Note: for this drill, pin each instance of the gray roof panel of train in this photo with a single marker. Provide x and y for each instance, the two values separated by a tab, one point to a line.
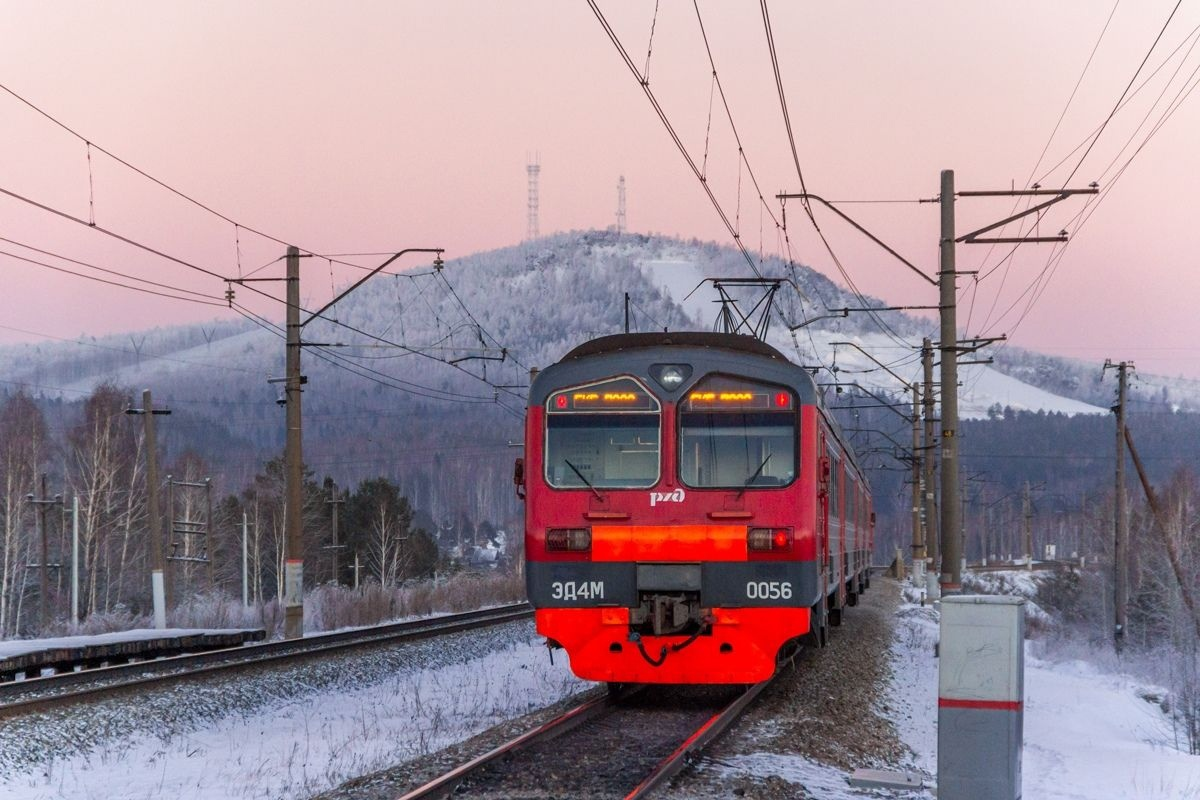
635	353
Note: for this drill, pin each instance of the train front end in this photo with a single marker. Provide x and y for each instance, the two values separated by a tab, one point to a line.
671	508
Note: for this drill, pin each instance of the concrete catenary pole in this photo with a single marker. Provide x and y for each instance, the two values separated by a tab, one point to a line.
930	459
75	558
951	574
158	585
245	561
335	501
43	502
1121	537
918	532
293	622
1027	514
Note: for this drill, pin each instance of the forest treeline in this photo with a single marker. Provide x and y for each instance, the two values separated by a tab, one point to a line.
96	456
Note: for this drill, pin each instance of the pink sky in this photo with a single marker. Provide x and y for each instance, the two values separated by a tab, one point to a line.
378	126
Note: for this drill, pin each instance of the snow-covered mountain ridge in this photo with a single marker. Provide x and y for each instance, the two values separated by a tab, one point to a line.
536	301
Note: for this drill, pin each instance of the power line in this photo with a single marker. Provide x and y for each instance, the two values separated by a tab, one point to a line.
35	262
1046	148
1037	288
1112	113
662	115
787	120
107	232
113	272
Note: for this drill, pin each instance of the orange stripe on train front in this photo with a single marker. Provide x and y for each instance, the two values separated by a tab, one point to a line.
669	543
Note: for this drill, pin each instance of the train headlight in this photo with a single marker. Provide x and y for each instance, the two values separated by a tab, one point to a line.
671	376
568	539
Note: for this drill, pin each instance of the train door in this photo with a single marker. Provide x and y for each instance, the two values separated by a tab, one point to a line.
837	530
824	473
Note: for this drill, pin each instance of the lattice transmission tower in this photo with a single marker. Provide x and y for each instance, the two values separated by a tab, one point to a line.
621	205
533	169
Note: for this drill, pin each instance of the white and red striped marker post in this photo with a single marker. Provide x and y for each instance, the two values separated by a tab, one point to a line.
981	689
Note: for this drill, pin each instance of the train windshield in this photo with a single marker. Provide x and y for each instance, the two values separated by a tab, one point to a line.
603	436
735	433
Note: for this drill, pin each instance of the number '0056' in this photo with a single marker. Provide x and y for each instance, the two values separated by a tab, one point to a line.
768	590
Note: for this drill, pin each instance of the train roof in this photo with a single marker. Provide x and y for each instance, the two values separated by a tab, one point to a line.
638	353
627	341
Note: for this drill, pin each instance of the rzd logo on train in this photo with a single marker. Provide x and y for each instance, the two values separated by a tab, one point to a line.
666	497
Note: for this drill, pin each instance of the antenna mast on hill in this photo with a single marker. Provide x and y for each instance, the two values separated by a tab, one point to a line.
621	205
533	169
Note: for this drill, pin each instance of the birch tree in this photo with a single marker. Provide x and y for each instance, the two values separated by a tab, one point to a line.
24	446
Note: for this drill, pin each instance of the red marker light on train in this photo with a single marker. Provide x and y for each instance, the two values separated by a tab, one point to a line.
568	539
782	399
561	401
766	540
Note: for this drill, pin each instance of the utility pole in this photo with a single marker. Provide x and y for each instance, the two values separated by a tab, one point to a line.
1027	514
293	622
951	516
187	527
1120	513
918	534
949	346
158	586
335	500
951	577
931	515
43	502
627	312
75	558
245	561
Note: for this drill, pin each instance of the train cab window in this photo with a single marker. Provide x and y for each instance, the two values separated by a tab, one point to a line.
605	436
735	433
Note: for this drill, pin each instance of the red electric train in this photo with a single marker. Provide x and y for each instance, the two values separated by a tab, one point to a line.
692	511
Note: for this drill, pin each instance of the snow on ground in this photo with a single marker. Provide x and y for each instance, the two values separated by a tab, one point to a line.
298	745
678	280
1088	735
12	648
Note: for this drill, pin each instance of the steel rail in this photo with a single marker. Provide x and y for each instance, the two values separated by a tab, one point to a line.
673	764
245	658
445	785
713	727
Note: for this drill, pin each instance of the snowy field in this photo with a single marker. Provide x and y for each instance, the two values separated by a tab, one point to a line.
1088	735
299	745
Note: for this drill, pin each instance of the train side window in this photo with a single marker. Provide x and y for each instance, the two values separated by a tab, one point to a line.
835	485
605	435
736	433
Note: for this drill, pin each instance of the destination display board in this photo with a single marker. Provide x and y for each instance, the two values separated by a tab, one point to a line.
619	394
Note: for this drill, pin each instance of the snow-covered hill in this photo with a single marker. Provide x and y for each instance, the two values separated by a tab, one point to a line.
497	314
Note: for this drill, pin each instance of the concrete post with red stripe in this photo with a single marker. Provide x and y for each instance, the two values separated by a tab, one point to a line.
981	689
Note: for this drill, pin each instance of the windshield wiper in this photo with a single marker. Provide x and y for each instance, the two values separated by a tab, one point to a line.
758	471
586	482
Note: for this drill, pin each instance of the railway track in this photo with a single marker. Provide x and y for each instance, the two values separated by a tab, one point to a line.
58	691
625	744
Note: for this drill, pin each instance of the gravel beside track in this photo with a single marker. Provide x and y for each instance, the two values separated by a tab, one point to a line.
828	708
